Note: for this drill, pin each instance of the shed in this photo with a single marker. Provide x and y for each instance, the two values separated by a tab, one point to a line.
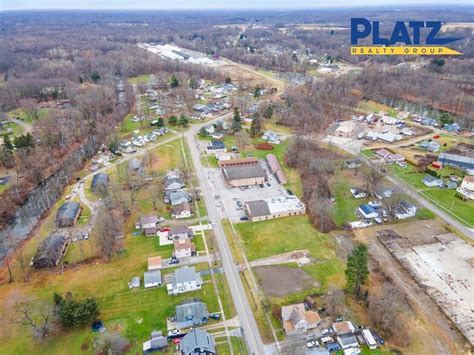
152	278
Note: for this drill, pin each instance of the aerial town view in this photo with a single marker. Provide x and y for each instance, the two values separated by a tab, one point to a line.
253	177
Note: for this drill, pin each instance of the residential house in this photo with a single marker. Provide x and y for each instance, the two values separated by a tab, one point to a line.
157	342
154	263
50	252
352	164
367	211
176	197
180	232
197	341
431	146
68	214
347	341
382	153
174	180
458	161
185	279
214	147
382	192
344	327
395	158
389	137
405	210
191	313
182	210
148	225
136	166
466	190
152	278
296	319
184	248
432	181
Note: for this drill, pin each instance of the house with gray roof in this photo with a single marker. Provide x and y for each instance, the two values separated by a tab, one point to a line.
197	341
68	214
176	198
432	181
152	278
185	279
50	252
100	182
180	232
157	342
191	313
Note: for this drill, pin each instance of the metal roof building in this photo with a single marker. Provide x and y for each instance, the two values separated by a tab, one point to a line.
99	181
191	313
245	175
68	214
50	251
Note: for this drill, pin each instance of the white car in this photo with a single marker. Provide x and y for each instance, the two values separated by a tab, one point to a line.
174	332
375	204
326	331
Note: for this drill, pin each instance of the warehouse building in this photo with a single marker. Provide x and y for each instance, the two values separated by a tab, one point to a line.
458	161
275	207
275	168
245	175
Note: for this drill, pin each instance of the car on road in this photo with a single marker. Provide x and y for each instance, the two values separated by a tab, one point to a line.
261	185
174	332
289	192
269	185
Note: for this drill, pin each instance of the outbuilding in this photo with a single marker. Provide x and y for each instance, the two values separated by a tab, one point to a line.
68	214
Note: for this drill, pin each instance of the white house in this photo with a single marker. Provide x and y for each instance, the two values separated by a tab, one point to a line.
466	190
185	279
432	181
183	210
297	320
152	278
405	209
184	248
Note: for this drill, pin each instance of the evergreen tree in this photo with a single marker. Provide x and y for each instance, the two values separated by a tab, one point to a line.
7	143
257	91
95	77
174	82
255	127
236	121
183	120
357	271
228	80
160	122
173	120
72	313
268	111
446	118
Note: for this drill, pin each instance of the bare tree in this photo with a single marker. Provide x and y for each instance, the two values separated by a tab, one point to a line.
334	301
112	343
38	318
373	176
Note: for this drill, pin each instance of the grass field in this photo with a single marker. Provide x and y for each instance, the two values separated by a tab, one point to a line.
21	114
141	79
444	198
346	204
372	106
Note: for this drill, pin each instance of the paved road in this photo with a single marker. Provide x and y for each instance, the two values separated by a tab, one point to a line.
403	186
247	320
27	127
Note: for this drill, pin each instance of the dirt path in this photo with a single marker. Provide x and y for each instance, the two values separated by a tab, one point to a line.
295	256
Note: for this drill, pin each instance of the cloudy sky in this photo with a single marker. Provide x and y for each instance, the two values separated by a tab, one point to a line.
204	4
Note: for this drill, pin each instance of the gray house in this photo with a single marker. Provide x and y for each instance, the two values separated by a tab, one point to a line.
191	313
68	214
185	279
157	342
177	197
197	341
50	251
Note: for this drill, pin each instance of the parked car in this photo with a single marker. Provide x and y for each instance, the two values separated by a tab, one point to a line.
166	229
269	185
244	218
326	331
161	219
215	316
339	319
326	340
261	185
312	344
375	204
377	337
290	192
173	261
239	205
174	332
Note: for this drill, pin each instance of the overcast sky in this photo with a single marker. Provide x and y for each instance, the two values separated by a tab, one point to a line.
205	4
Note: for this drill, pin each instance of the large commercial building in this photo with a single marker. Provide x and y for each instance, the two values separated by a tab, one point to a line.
237	162
245	175
275	207
458	161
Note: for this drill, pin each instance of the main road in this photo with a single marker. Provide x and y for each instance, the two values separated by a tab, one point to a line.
242	306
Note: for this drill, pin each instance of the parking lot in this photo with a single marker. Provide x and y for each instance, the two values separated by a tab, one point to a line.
226	198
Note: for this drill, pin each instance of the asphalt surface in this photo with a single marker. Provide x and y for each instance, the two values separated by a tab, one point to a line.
242	306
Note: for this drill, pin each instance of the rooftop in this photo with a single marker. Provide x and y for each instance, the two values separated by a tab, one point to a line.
244	172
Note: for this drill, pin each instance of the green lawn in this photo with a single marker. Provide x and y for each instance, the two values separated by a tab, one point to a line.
16	130
372	106
443	198
346	204
141	79
369	153
21	114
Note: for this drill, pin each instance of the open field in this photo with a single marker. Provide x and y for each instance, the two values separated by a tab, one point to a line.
141	79
442	197
372	106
